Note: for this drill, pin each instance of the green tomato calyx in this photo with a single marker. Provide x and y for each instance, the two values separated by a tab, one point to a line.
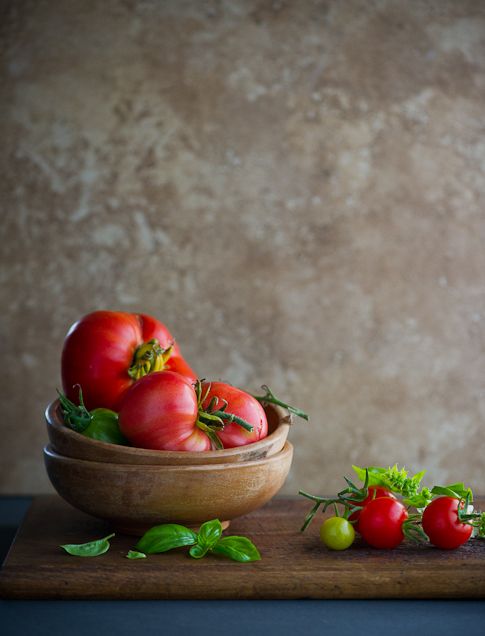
214	417
148	358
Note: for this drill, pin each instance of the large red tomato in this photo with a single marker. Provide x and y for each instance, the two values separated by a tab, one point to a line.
242	405
165	411
161	411
107	351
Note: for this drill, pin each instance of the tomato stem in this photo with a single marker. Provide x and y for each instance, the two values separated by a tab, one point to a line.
76	417
148	358
270	398
213	419
230	417
349	498
413	530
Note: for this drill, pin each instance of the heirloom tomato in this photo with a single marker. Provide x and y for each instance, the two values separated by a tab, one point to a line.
160	411
240	404
381	522
107	351
165	411
442	525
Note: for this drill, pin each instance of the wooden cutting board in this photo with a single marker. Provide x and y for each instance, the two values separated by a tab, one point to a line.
293	565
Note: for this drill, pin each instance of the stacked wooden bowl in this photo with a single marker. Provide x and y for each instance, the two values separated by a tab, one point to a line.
135	488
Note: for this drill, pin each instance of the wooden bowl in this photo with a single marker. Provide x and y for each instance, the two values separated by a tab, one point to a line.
135	497
67	442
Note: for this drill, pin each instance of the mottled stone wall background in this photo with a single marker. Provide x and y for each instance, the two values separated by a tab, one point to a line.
296	188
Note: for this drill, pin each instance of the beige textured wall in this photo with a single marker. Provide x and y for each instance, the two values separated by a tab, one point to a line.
296	188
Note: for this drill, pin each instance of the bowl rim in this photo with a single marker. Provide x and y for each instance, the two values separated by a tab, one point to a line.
53	419
170	468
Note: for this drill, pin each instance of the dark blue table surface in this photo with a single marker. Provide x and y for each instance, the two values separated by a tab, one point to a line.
234	618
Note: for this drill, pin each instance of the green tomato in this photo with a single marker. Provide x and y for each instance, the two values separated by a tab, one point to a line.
337	533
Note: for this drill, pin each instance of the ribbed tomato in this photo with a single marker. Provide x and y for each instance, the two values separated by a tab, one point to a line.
165	411
242	405
160	412
107	351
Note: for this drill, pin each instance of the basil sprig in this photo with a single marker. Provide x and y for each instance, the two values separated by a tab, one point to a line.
90	549
209	539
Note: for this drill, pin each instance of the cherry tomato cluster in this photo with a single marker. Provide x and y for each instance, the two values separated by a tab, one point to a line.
133	386
442	516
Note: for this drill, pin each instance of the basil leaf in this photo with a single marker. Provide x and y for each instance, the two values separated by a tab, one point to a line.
458	491
104	427
198	551
90	549
209	534
376	475
134	554
420	500
237	548
166	537
419	476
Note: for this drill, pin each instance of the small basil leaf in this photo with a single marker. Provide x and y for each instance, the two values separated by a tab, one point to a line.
134	554
209	533
237	548
90	549
166	537
198	551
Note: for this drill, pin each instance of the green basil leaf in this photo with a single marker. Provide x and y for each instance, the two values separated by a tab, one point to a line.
237	548
420	500
376	475
198	551
166	537
419	476
104	427
458	491
134	554
209	533
90	549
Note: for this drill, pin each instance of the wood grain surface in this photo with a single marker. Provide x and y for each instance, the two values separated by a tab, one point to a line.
293	565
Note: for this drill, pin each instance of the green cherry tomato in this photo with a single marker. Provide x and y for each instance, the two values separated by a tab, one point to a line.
337	533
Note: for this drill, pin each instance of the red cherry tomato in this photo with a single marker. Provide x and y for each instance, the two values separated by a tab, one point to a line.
107	351
160	411
241	404
380	522
374	493
442	525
